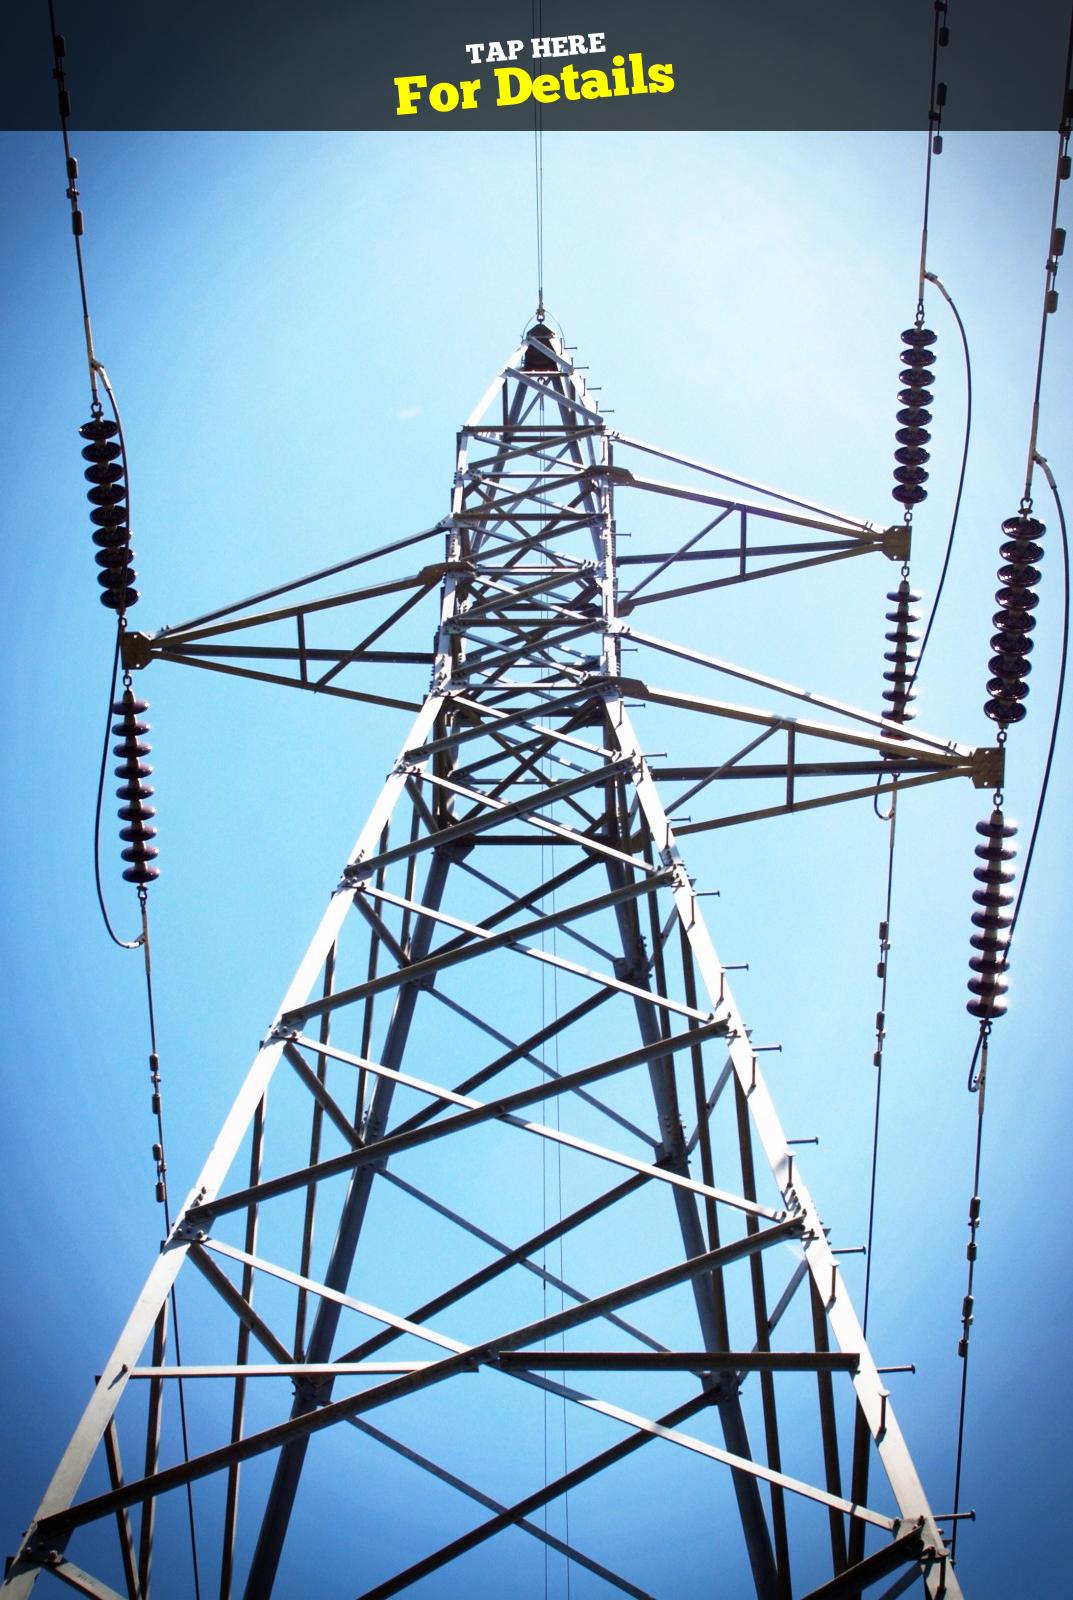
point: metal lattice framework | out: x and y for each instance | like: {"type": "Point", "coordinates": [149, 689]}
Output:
{"type": "Point", "coordinates": [520, 848]}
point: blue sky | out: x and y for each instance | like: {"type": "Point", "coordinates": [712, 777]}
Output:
{"type": "Point", "coordinates": [295, 326]}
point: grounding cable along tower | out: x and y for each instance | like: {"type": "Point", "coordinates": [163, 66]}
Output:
{"type": "Point", "coordinates": [514, 962]}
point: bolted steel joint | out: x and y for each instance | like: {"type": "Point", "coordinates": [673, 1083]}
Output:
{"type": "Point", "coordinates": [186, 1232]}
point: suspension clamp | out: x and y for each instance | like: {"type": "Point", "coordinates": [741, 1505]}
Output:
{"type": "Point", "coordinates": [988, 767]}
{"type": "Point", "coordinates": [136, 650]}
{"type": "Point", "coordinates": [895, 542]}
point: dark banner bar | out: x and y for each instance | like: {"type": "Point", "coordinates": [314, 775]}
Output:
{"type": "Point", "coordinates": [616, 65]}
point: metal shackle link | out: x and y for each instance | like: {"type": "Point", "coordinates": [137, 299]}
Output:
{"type": "Point", "coordinates": [916, 378]}
{"type": "Point", "coordinates": [134, 793]}
{"type": "Point", "coordinates": [987, 986]}
{"type": "Point", "coordinates": [1017, 599]}
{"type": "Point", "coordinates": [109, 513]}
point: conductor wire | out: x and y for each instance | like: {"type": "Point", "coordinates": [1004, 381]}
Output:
{"type": "Point", "coordinates": [890, 816]}
{"type": "Point", "coordinates": [58, 55]}
{"type": "Point", "coordinates": [977, 1080]}
{"type": "Point", "coordinates": [934, 145]}
{"type": "Point", "coordinates": [98, 378]}
{"type": "Point", "coordinates": [1054, 248]}
{"type": "Point", "coordinates": [536, 17]}
{"type": "Point", "coordinates": [977, 1077]}
{"type": "Point", "coordinates": [884, 957]}
{"type": "Point", "coordinates": [974, 1212]}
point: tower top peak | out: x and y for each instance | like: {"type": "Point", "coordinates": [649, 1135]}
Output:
{"type": "Point", "coordinates": [540, 334]}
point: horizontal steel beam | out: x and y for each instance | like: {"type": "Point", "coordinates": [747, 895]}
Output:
{"type": "Point", "coordinates": [478, 942]}
{"type": "Point", "coordinates": [680, 1361]}
{"type": "Point", "coordinates": [888, 737]}
{"type": "Point", "coordinates": [473, 1112]}
{"type": "Point", "coordinates": [256, 652]}
{"type": "Point", "coordinates": [870, 791]}
{"type": "Point", "coordinates": [677, 491]}
{"type": "Point", "coordinates": [852, 524]}
{"type": "Point", "coordinates": [750, 575]}
{"type": "Point", "coordinates": [498, 813]}
{"type": "Point", "coordinates": [888, 768]}
{"type": "Point", "coordinates": [424, 580]}
{"type": "Point", "coordinates": [894, 732]}
{"type": "Point", "coordinates": [364, 698]}
{"type": "Point", "coordinates": [407, 543]}
{"type": "Point", "coordinates": [698, 1361]}
{"type": "Point", "coordinates": [605, 980]}
{"type": "Point", "coordinates": [60, 1525]}
{"type": "Point", "coordinates": [729, 552]}
{"type": "Point", "coordinates": [283, 1369]}
{"type": "Point", "coordinates": [566, 431]}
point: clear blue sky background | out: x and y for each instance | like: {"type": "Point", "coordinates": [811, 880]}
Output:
{"type": "Point", "coordinates": [296, 324]}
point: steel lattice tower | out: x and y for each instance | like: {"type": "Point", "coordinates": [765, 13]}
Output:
{"type": "Point", "coordinates": [521, 839]}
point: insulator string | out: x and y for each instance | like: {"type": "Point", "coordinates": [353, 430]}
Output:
{"type": "Point", "coordinates": [1063, 662]}
{"type": "Point", "coordinates": [932, 278]}
{"type": "Point", "coordinates": [124, 944]}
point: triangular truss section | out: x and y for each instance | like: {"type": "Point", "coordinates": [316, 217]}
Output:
{"type": "Point", "coordinates": [513, 993]}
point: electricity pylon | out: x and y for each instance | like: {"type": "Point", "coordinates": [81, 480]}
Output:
{"type": "Point", "coordinates": [515, 936]}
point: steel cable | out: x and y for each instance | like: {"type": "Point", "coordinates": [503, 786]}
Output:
{"type": "Point", "coordinates": [932, 278]}
{"type": "Point", "coordinates": [536, 18]}
{"type": "Point", "coordinates": [978, 1079]}
{"type": "Point", "coordinates": [98, 377]}
{"type": "Point", "coordinates": [937, 92]}
{"type": "Point", "coordinates": [977, 1076]}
